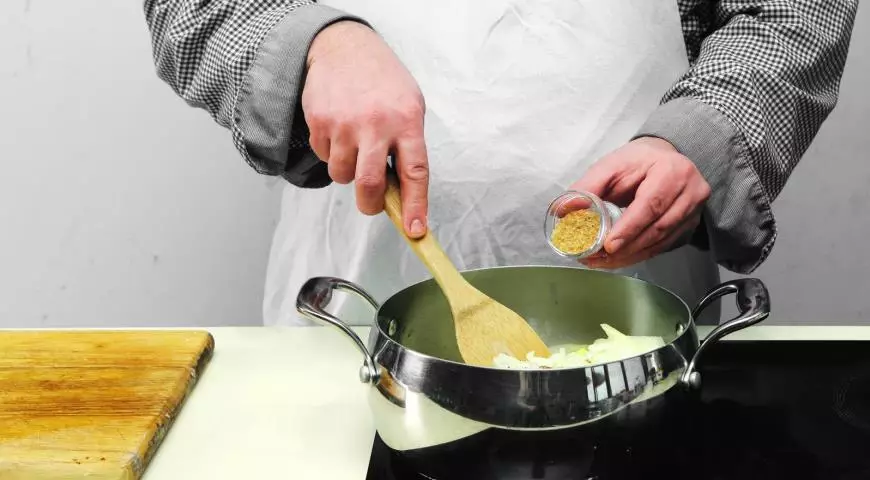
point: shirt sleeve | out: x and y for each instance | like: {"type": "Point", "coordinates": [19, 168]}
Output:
{"type": "Point", "coordinates": [763, 77]}
{"type": "Point", "coordinates": [244, 63]}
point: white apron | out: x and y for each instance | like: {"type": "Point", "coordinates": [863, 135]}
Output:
{"type": "Point", "coordinates": [522, 97]}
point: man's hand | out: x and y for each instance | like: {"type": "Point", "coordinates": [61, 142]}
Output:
{"type": "Point", "coordinates": [361, 104]}
{"type": "Point", "coordinates": [664, 192]}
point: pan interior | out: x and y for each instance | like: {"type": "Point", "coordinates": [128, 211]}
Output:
{"type": "Point", "coordinates": [565, 305]}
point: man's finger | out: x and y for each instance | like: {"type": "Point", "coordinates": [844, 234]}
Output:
{"type": "Point", "coordinates": [614, 178]}
{"type": "Point", "coordinates": [413, 170]}
{"type": "Point", "coordinates": [320, 146]}
{"type": "Point", "coordinates": [684, 208]}
{"type": "Point", "coordinates": [622, 261]}
{"type": "Point", "coordinates": [597, 178]}
{"type": "Point", "coordinates": [572, 204]}
{"type": "Point", "coordinates": [370, 181]}
{"type": "Point", "coordinates": [654, 197]}
{"type": "Point", "coordinates": [342, 162]}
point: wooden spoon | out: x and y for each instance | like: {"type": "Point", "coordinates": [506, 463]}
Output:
{"type": "Point", "coordinates": [484, 327]}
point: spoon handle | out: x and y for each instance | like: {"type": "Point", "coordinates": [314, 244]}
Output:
{"type": "Point", "coordinates": [426, 247]}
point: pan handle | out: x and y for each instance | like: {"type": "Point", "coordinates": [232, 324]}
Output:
{"type": "Point", "coordinates": [311, 302]}
{"type": "Point", "coordinates": [753, 300]}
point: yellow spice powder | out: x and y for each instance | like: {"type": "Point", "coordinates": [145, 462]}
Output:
{"type": "Point", "coordinates": [576, 231]}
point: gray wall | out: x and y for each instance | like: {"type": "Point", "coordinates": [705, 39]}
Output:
{"type": "Point", "coordinates": [119, 205]}
{"type": "Point", "coordinates": [817, 273]}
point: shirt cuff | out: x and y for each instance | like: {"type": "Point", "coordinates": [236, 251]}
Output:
{"type": "Point", "coordinates": [268, 110]}
{"type": "Point", "coordinates": [738, 219]}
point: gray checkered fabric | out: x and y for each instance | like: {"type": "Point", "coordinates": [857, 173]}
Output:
{"type": "Point", "coordinates": [772, 67]}
{"type": "Point", "coordinates": [204, 50]}
{"type": "Point", "coordinates": [763, 77]}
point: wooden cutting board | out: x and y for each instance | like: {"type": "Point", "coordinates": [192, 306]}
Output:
{"type": "Point", "coordinates": [92, 404]}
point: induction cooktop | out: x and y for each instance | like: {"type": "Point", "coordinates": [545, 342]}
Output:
{"type": "Point", "coordinates": [796, 410]}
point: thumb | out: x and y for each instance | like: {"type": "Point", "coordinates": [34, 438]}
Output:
{"type": "Point", "coordinates": [596, 180]}
{"type": "Point", "coordinates": [614, 178]}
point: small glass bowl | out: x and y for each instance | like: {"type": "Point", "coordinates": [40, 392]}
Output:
{"type": "Point", "coordinates": [571, 201]}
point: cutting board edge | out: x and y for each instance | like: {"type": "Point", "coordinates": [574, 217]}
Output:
{"type": "Point", "coordinates": [51, 474]}
{"type": "Point", "coordinates": [207, 352]}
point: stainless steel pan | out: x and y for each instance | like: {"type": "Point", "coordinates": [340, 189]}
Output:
{"type": "Point", "coordinates": [423, 396]}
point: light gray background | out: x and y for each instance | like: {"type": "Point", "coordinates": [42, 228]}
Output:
{"type": "Point", "coordinates": [121, 206]}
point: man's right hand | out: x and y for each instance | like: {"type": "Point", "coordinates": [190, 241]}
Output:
{"type": "Point", "coordinates": [360, 104]}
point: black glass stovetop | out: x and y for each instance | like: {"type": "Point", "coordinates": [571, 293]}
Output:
{"type": "Point", "coordinates": [796, 410]}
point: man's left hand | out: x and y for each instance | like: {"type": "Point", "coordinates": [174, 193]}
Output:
{"type": "Point", "coordinates": [665, 194]}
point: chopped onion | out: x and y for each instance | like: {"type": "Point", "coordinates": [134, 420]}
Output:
{"type": "Point", "coordinates": [616, 346]}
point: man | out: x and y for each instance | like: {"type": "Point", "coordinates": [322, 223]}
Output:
{"type": "Point", "coordinates": [690, 113]}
